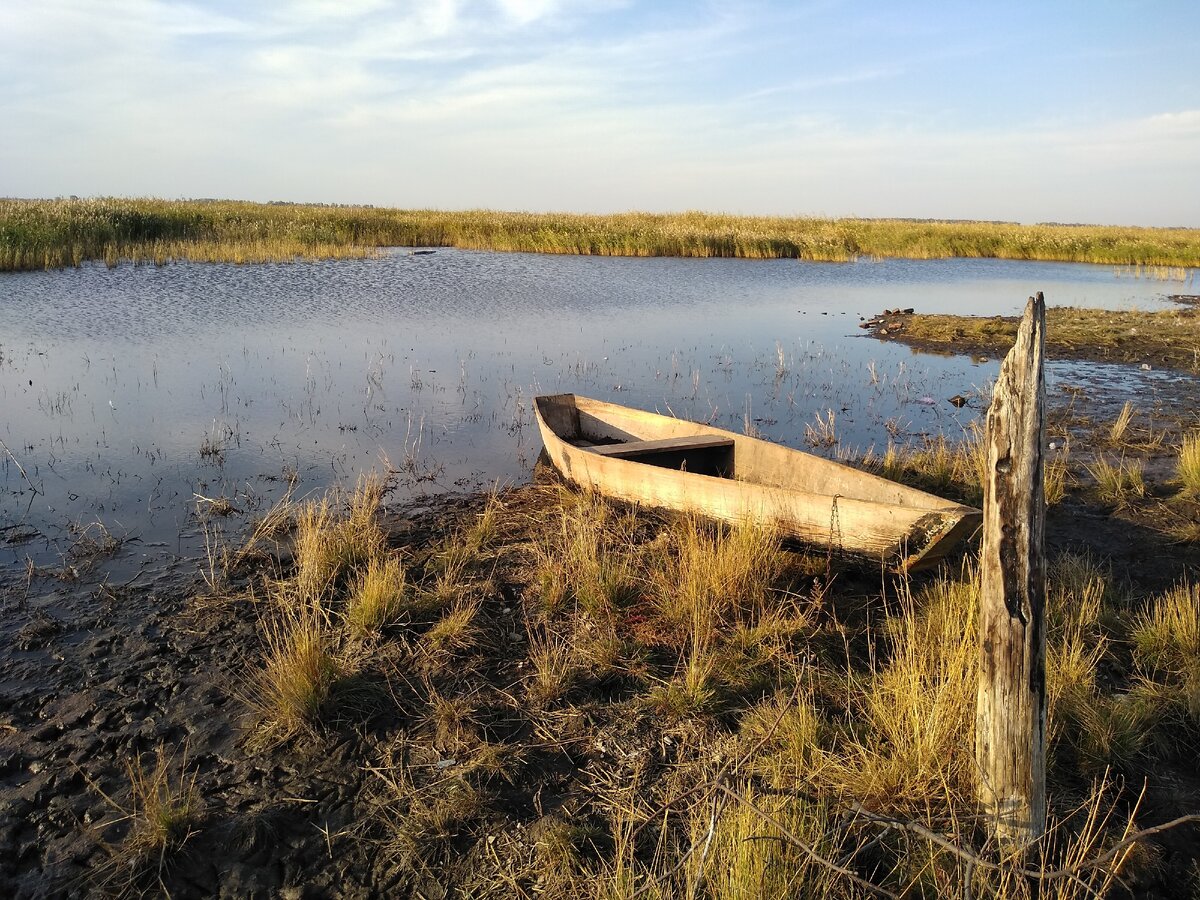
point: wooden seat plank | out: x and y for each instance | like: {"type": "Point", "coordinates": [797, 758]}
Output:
{"type": "Point", "coordinates": [664, 445]}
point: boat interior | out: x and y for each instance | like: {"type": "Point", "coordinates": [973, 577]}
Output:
{"type": "Point", "coordinates": [703, 454]}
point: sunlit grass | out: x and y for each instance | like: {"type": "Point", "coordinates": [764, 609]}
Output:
{"type": "Point", "coordinates": [555, 619]}
{"type": "Point", "coordinates": [1118, 484]}
{"type": "Point", "coordinates": [1188, 467]}
{"type": "Point", "coordinates": [36, 234]}
{"type": "Point", "coordinates": [376, 597]}
{"type": "Point", "coordinates": [1167, 641]}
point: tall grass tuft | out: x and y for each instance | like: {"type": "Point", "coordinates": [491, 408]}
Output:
{"type": "Point", "coordinates": [586, 559]}
{"type": "Point", "coordinates": [376, 597]}
{"type": "Point", "coordinates": [712, 575]}
{"type": "Point", "coordinates": [163, 810]}
{"type": "Point", "coordinates": [1120, 425]}
{"type": "Point", "coordinates": [918, 708]}
{"type": "Point", "coordinates": [1167, 642]}
{"type": "Point", "coordinates": [1120, 483]}
{"type": "Point", "coordinates": [329, 545]}
{"type": "Point", "coordinates": [1188, 467]}
{"type": "Point", "coordinates": [298, 676]}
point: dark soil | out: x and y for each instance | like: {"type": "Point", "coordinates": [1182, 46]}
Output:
{"type": "Point", "coordinates": [1165, 339]}
{"type": "Point", "coordinates": [94, 676]}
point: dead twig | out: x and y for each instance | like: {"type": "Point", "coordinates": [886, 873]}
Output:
{"type": "Point", "coordinates": [975, 859]}
{"type": "Point", "coordinates": [20, 469]}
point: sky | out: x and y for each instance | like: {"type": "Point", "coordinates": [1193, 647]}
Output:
{"type": "Point", "coordinates": [1051, 110]}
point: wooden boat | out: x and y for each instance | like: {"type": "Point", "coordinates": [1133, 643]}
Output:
{"type": "Point", "coordinates": [643, 457]}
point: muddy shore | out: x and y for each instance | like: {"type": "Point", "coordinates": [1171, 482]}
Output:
{"type": "Point", "coordinates": [1164, 339]}
{"type": "Point", "coordinates": [96, 676]}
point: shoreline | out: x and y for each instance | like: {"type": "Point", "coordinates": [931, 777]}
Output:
{"type": "Point", "coordinates": [1163, 339]}
{"type": "Point", "coordinates": [443, 762]}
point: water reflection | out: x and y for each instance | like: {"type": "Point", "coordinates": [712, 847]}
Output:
{"type": "Point", "coordinates": [127, 394]}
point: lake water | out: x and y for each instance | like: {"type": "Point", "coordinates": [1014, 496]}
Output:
{"type": "Point", "coordinates": [126, 394]}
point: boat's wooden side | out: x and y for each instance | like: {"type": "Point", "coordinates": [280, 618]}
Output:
{"type": "Point", "coordinates": [805, 497]}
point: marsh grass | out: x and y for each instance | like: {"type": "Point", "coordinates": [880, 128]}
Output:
{"type": "Point", "coordinates": [1120, 425]}
{"type": "Point", "coordinates": [329, 545]}
{"type": "Point", "coordinates": [377, 596]}
{"type": "Point", "coordinates": [918, 706]}
{"type": "Point", "coordinates": [1168, 337]}
{"type": "Point", "coordinates": [162, 810]}
{"type": "Point", "coordinates": [1090, 728]}
{"type": "Point", "coordinates": [652, 652]}
{"type": "Point", "coordinates": [343, 587]}
{"type": "Point", "coordinates": [291, 691]}
{"type": "Point", "coordinates": [823, 431]}
{"type": "Point", "coordinates": [587, 558]}
{"type": "Point", "coordinates": [454, 632]}
{"type": "Point", "coordinates": [937, 465]}
{"type": "Point", "coordinates": [1188, 467]}
{"type": "Point", "coordinates": [36, 234]}
{"type": "Point", "coordinates": [1117, 484]}
{"type": "Point", "coordinates": [1057, 477]}
{"type": "Point", "coordinates": [1167, 642]}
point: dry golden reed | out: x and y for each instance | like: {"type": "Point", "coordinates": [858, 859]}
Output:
{"type": "Point", "coordinates": [36, 234]}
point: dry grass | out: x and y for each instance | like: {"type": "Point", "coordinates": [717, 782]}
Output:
{"type": "Point", "coordinates": [644, 655]}
{"type": "Point", "coordinates": [376, 597]}
{"type": "Point", "coordinates": [918, 709]}
{"type": "Point", "coordinates": [163, 809]}
{"type": "Point", "coordinates": [1188, 468]}
{"type": "Point", "coordinates": [37, 234]}
{"type": "Point", "coordinates": [1120, 425]}
{"type": "Point", "coordinates": [1117, 484]}
{"type": "Point", "coordinates": [1056, 477]}
{"type": "Point", "coordinates": [586, 559]}
{"type": "Point", "coordinates": [329, 546]}
{"type": "Point", "coordinates": [1167, 641]}
{"type": "Point", "coordinates": [290, 692]}
{"type": "Point", "coordinates": [937, 465]}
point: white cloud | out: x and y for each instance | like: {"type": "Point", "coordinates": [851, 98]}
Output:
{"type": "Point", "coordinates": [530, 104]}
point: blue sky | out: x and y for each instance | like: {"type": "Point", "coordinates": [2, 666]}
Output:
{"type": "Point", "coordinates": [1041, 111]}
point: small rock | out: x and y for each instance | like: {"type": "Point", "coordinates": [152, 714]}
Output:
{"type": "Point", "coordinates": [959, 400]}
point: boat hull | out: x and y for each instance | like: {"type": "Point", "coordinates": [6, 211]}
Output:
{"type": "Point", "coordinates": [736, 478]}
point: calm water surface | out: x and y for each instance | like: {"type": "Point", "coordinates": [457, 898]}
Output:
{"type": "Point", "coordinates": [127, 394]}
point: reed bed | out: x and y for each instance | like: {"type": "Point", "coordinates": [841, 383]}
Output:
{"type": "Point", "coordinates": [39, 234]}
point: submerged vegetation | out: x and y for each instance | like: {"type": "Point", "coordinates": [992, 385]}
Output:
{"type": "Point", "coordinates": [37, 234]}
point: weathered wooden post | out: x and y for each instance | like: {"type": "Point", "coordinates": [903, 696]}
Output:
{"type": "Point", "coordinates": [1010, 714]}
